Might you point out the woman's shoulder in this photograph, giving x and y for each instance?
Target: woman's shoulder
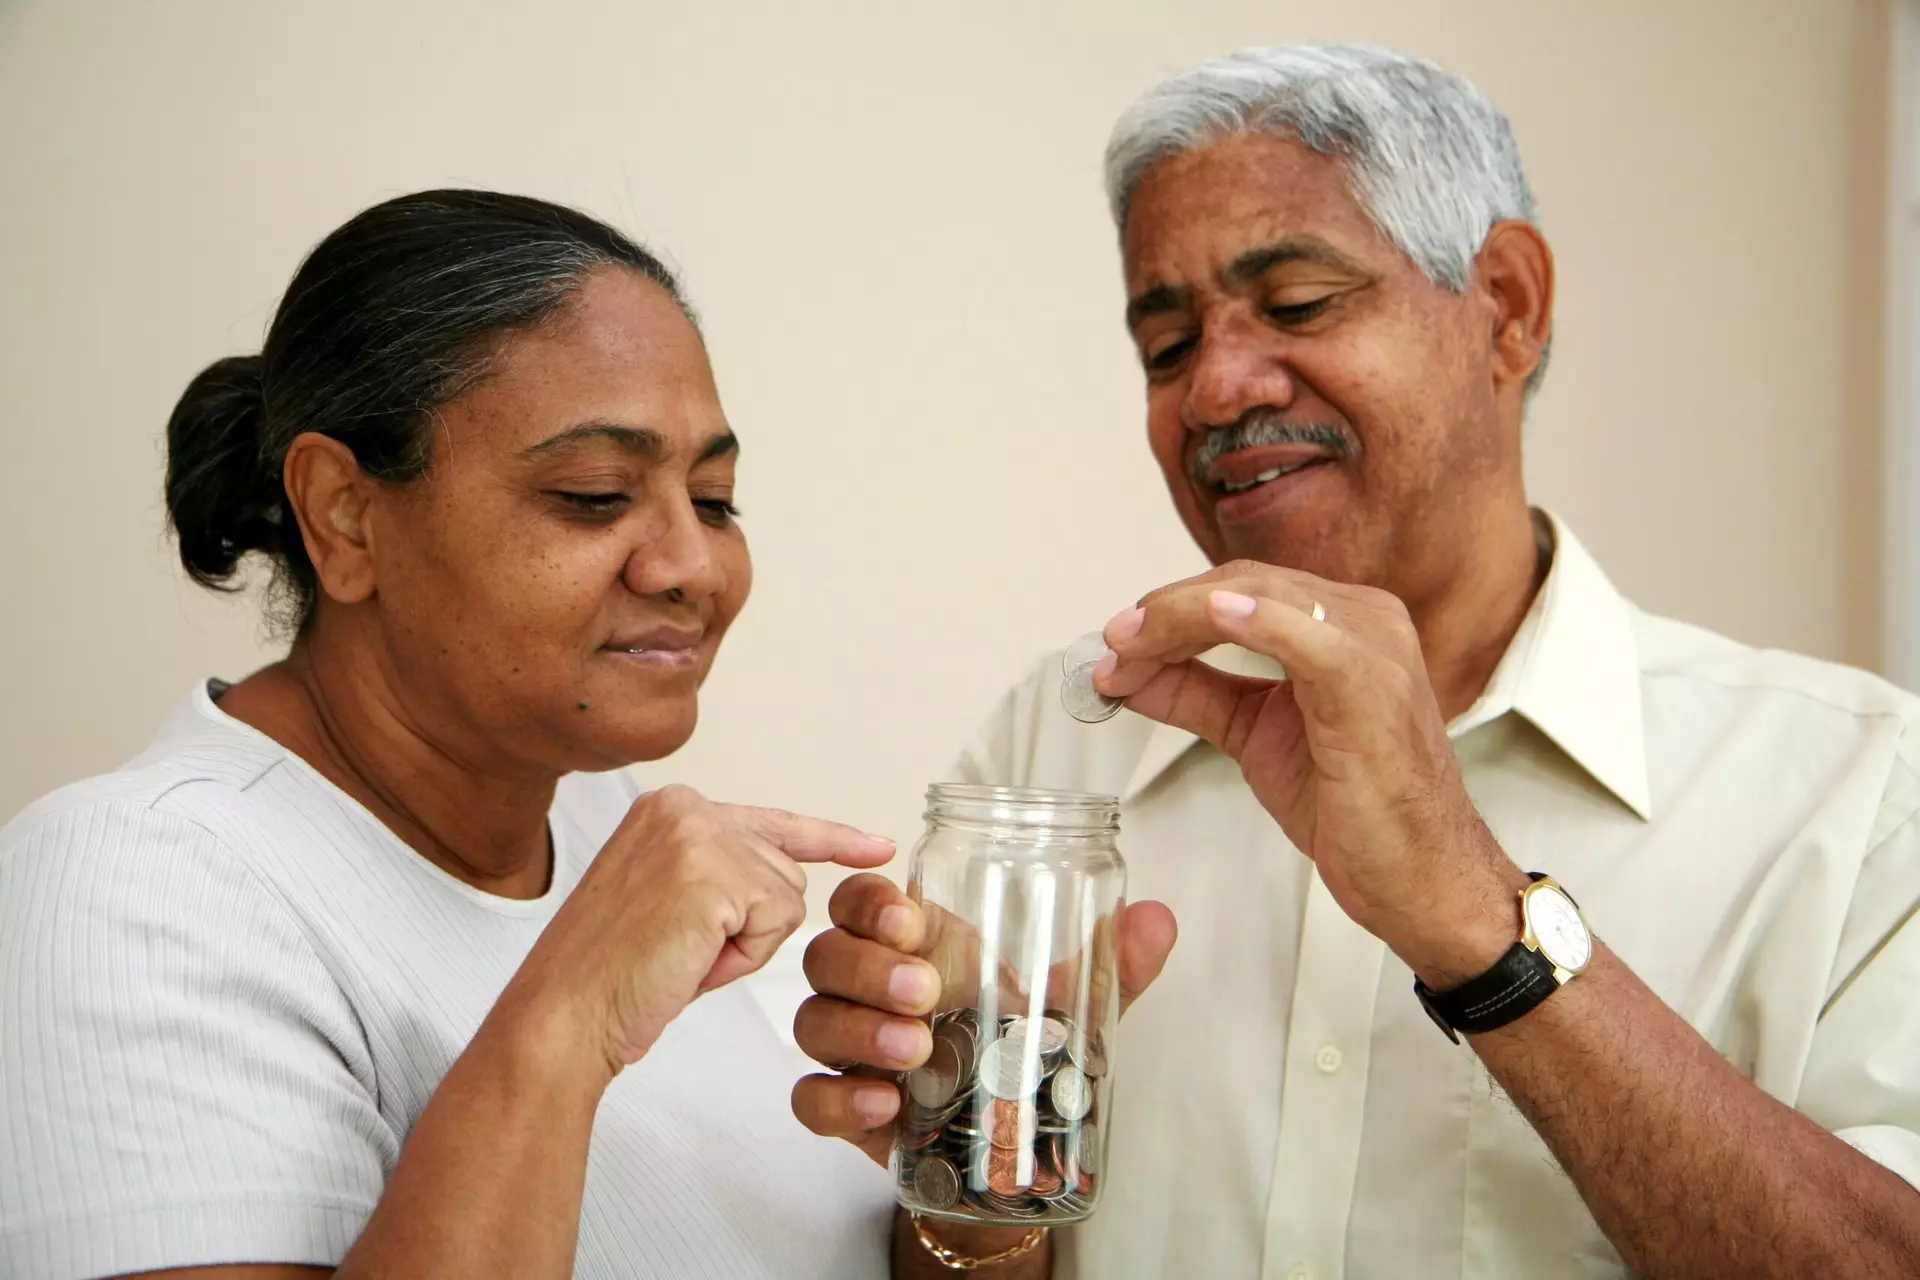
(187, 804)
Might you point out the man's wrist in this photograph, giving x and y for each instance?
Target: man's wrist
(1466, 931)
(965, 1240)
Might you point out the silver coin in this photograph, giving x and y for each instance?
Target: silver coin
(1084, 702)
(1089, 1055)
(1084, 652)
(1072, 1095)
(933, 1083)
(1054, 1032)
(1086, 1148)
(937, 1183)
(965, 1044)
(1003, 1069)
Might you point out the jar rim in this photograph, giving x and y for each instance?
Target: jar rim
(1042, 807)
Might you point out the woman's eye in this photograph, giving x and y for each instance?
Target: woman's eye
(717, 512)
(1299, 312)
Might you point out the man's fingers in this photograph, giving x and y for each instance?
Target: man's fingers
(1146, 937)
(873, 907)
(807, 839)
(1203, 700)
(843, 964)
(833, 1032)
(846, 1106)
(1312, 650)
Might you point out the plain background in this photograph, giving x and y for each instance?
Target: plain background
(890, 216)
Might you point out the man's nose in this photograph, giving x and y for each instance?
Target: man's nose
(1236, 368)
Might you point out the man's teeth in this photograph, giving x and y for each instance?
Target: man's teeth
(1260, 479)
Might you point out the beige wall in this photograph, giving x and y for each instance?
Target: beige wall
(890, 215)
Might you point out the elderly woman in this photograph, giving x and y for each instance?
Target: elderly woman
(348, 971)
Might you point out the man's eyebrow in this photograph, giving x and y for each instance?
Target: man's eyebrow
(1161, 298)
(719, 447)
(1251, 265)
(643, 442)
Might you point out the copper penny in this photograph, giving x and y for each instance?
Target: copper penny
(1003, 1172)
(1010, 1124)
(1047, 1183)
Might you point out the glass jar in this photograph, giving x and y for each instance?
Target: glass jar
(1021, 889)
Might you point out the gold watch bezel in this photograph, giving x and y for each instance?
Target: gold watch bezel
(1531, 940)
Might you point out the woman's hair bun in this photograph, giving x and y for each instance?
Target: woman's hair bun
(222, 499)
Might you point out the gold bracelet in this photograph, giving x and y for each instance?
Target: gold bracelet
(961, 1262)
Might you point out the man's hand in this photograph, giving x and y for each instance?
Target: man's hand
(874, 989)
(1349, 753)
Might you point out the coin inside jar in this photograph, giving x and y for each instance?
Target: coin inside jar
(1070, 1093)
(933, 1083)
(937, 1183)
(1010, 1124)
(1004, 1068)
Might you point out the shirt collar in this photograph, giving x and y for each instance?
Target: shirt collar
(1572, 670)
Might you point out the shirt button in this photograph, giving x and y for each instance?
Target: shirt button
(1300, 1270)
(1328, 1059)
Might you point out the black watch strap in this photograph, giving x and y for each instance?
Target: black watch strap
(1521, 979)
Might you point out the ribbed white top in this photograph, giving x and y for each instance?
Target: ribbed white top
(227, 992)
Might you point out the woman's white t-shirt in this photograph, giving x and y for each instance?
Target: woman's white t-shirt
(227, 992)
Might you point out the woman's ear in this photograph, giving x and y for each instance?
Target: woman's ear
(331, 497)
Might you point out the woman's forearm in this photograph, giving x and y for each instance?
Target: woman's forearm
(490, 1180)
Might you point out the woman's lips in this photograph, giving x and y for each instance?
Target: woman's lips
(664, 648)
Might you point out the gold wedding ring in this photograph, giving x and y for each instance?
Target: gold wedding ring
(1318, 611)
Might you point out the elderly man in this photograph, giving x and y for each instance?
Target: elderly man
(1341, 302)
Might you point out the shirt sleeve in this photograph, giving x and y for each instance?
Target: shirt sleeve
(182, 1082)
(1862, 1078)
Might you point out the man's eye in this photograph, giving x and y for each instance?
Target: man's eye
(601, 504)
(717, 512)
(1299, 312)
(1170, 355)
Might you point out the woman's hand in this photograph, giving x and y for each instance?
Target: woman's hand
(873, 989)
(687, 895)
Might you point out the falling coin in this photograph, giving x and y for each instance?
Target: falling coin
(937, 1183)
(1003, 1068)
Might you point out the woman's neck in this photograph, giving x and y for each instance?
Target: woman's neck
(344, 716)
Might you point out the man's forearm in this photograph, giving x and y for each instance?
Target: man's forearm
(912, 1261)
(1688, 1168)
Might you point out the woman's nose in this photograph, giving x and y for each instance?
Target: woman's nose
(676, 558)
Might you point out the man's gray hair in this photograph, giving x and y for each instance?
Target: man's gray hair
(1431, 161)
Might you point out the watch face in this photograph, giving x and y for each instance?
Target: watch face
(1557, 926)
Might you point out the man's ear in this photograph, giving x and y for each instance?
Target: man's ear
(1515, 269)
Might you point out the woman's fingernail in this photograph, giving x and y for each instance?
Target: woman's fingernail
(1104, 668)
(876, 1106)
(1232, 604)
(879, 842)
(900, 1041)
(892, 924)
(911, 985)
(1125, 625)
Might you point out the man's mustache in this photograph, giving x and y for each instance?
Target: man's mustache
(1261, 426)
